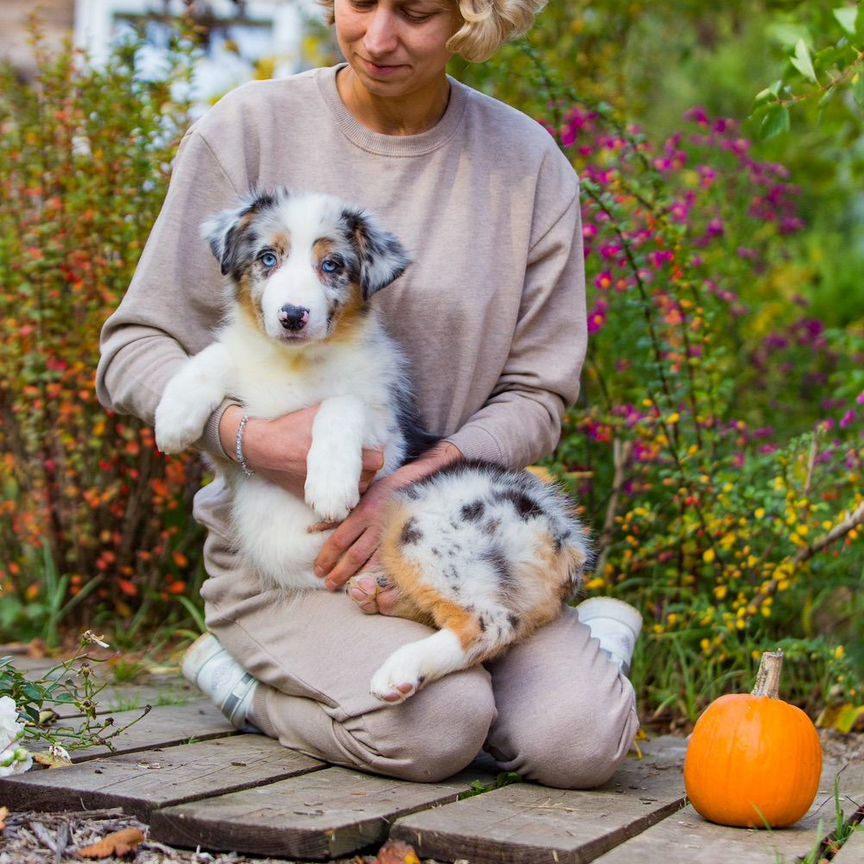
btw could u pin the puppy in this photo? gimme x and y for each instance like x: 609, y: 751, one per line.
x: 483, y: 553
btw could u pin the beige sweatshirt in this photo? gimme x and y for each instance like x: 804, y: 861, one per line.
x: 491, y: 313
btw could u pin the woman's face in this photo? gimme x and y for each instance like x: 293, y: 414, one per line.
x: 395, y: 47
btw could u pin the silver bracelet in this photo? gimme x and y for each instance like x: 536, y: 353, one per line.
x: 238, y: 447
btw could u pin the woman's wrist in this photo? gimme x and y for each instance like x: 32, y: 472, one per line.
x: 229, y: 423
x: 440, y: 455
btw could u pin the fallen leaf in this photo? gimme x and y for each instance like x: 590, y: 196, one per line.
x: 396, y: 852
x: 843, y: 718
x: 50, y: 760
x: 48, y: 716
x: 120, y: 843
x: 37, y: 649
x: 4, y: 812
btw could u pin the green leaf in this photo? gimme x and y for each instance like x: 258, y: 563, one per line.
x: 847, y: 16
x: 775, y: 122
x: 827, y: 96
x: 802, y: 61
x: 858, y: 90
x: 769, y: 92
x: 789, y: 34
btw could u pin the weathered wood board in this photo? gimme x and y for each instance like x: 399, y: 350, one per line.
x: 528, y: 824
x: 688, y: 837
x: 322, y: 815
x: 143, y: 781
x: 161, y: 727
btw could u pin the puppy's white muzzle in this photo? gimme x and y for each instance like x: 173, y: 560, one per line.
x: 295, y: 306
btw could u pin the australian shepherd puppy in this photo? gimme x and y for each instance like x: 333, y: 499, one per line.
x: 483, y: 553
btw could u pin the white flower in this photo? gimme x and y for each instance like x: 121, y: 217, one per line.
x: 13, y: 759
x: 10, y: 728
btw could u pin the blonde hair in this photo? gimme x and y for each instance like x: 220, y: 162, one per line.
x: 486, y: 25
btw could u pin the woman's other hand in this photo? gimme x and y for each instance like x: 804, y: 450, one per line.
x: 353, y: 544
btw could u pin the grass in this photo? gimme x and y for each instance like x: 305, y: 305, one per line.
x: 828, y: 845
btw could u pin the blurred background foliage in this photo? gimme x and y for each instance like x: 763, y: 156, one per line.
x: 717, y: 447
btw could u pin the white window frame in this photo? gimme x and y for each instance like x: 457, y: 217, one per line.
x: 94, y: 21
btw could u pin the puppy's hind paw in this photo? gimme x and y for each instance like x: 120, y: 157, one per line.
x: 396, y: 680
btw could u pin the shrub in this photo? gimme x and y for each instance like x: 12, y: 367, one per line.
x: 718, y: 445
x: 92, y: 517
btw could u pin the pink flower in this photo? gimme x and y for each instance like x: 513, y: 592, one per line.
x: 660, y: 259
x: 697, y: 115
x: 597, y: 317
x: 603, y: 282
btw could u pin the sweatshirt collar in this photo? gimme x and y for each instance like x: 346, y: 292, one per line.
x: 392, y: 145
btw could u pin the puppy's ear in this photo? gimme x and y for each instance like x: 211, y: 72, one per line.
x: 228, y: 231
x: 222, y: 233
x: 382, y: 257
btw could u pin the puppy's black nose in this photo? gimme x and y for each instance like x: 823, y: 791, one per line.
x: 293, y: 318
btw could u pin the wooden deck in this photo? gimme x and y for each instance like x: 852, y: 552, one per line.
x: 197, y: 782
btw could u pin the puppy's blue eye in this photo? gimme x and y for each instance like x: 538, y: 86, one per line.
x: 269, y: 260
x: 328, y: 265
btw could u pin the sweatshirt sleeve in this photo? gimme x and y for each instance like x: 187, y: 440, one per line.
x: 521, y: 421
x: 174, y: 300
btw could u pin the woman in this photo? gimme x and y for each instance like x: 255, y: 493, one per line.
x: 491, y: 314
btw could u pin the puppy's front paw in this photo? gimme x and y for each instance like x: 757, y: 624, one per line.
x: 332, y: 495
x: 399, y: 677
x: 177, y: 425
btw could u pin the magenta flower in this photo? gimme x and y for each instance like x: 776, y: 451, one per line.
x: 603, y: 282
x: 597, y: 317
x: 715, y: 228
x: 661, y: 258
x: 697, y: 115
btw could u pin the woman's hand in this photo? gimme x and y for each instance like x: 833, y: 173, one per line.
x: 277, y: 449
x: 353, y: 544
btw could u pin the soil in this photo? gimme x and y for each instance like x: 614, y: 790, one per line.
x: 46, y: 838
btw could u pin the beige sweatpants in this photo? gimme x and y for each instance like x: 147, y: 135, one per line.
x: 554, y: 708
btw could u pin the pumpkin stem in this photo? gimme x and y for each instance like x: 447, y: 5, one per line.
x: 768, y: 676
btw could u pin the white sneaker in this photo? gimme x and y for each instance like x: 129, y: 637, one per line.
x: 209, y: 667
x: 615, y: 624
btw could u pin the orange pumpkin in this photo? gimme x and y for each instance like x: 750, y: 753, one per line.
x: 753, y: 760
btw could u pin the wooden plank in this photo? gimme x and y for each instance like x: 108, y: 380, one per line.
x: 148, y: 779
x: 319, y: 816
x: 689, y: 837
x: 132, y: 697
x: 161, y: 727
x: 528, y: 824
